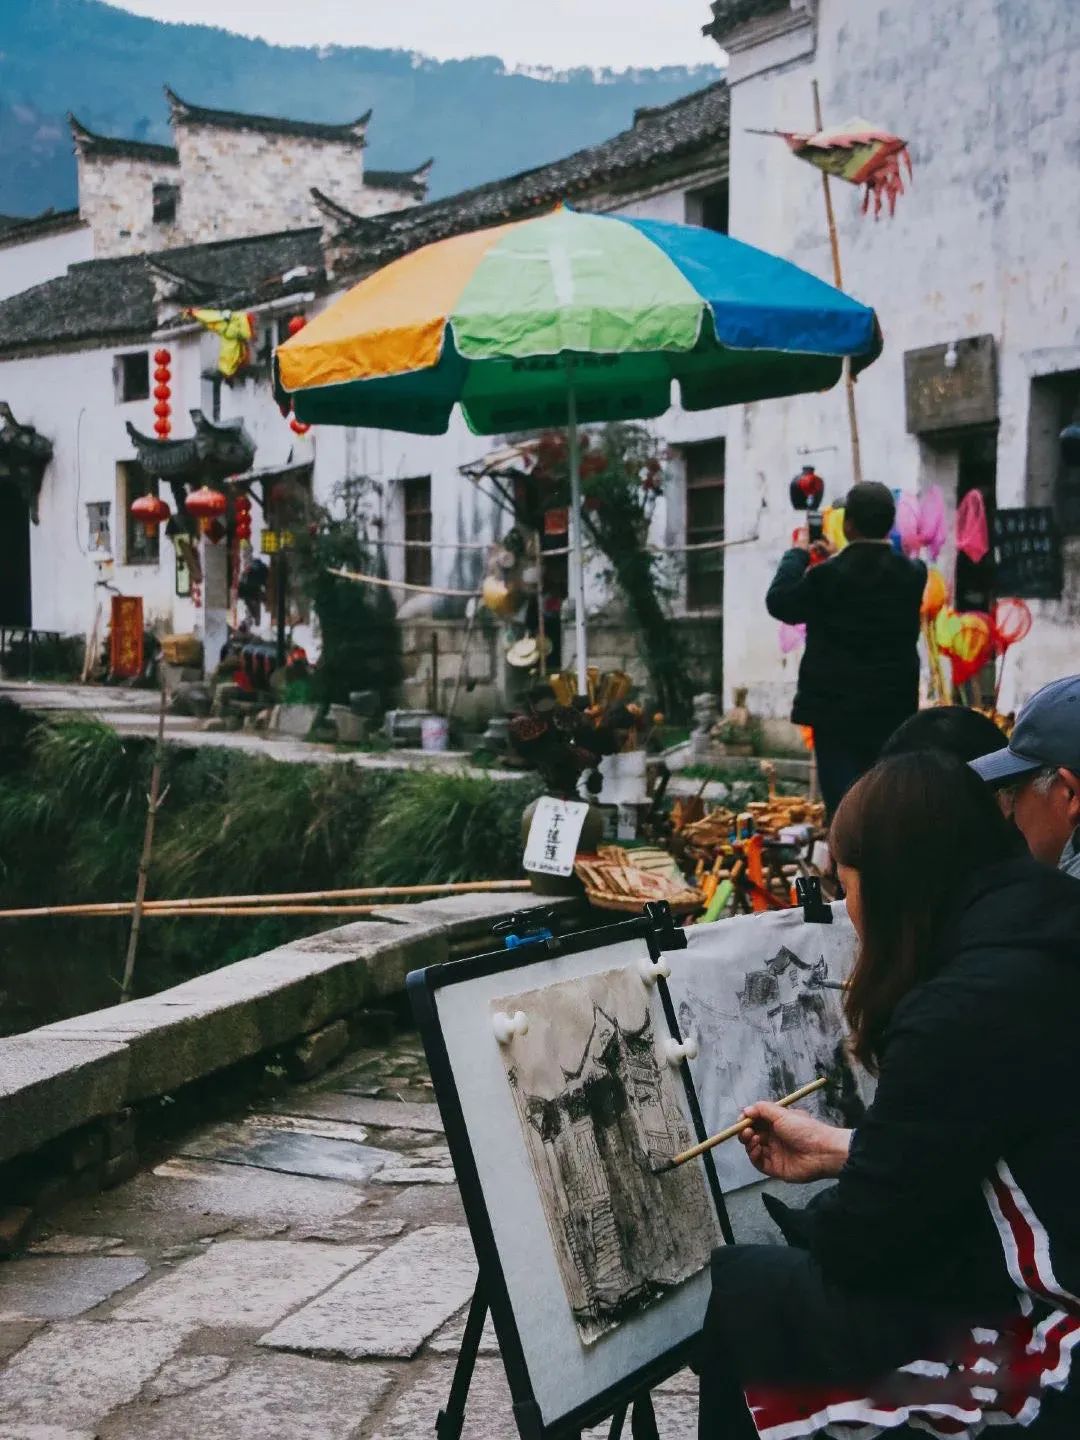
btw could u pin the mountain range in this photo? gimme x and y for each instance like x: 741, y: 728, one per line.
x: 476, y: 118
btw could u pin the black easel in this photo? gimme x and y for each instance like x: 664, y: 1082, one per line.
x: 533, y: 930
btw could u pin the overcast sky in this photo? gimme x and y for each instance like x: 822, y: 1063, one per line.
x: 559, y: 33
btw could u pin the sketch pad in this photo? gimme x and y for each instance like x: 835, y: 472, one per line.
x: 555, y: 1374
x: 751, y: 988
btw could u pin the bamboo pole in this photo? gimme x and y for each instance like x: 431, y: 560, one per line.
x: 838, y: 281
x: 204, y: 911
x: 736, y: 1129
x: 379, y: 892
x: 153, y: 804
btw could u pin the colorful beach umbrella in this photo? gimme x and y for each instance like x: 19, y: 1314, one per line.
x: 570, y: 318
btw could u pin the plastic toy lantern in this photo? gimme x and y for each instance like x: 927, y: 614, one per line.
x: 207, y: 507
x: 150, y: 511
x: 935, y: 595
x: 966, y: 638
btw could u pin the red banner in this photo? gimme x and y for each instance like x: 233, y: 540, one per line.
x: 126, y: 639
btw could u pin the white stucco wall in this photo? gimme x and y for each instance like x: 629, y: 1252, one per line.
x: 983, y: 243
x: 35, y: 261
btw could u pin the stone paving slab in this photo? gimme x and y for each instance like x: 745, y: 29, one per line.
x: 489, y: 1414
x: 290, y: 1152
x: 280, y: 1397
x: 361, y: 1110
x: 388, y: 1308
x: 447, y: 1341
x: 42, y: 1432
x: 204, y: 1189
x: 77, y: 1371
x: 13, y: 1336
x: 243, y: 1282
x: 61, y: 1287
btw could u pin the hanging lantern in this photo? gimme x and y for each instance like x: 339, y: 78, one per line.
x: 150, y: 511
x: 807, y: 489
x: 163, y: 410
x: 205, y: 506
x: 161, y: 429
x: 298, y: 427
x: 163, y: 392
x: 296, y: 324
x: 163, y: 375
x: 162, y: 357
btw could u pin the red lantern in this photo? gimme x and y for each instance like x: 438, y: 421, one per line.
x: 163, y: 374
x: 807, y: 489
x: 162, y: 428
x: 162, y: 357
x: 296, y: 324
x: 205, y: 506
x: 298, y: 427
x: 150, y: 511
x: 163, y: 409
x: 162, y: 392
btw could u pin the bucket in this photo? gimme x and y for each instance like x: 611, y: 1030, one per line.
x: 434, y: 732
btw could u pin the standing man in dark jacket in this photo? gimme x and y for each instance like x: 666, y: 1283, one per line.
x: 859, y: 677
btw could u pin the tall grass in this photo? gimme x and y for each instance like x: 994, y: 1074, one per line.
x: 72, y: 810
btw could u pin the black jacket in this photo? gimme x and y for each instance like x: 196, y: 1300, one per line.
x: 860, y: 670
x: 974, y: 1132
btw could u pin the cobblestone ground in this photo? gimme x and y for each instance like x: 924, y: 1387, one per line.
x: 299, y: 1273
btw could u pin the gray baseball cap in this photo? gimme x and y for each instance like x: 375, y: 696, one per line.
x: 1047, y: 732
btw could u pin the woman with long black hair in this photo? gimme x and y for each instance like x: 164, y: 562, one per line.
x: 934, y: 1288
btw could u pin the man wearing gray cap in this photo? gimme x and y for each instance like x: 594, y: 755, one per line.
x: 1037, y: 775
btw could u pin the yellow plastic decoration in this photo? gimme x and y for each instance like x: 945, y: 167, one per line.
x: 233, y: 329
x: 832, y: 526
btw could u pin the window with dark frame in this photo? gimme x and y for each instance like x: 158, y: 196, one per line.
x: 704, y: 524
x: 709, y: 208
x: 131, y: 375
x: 416, y: 506
x: 132, y: 481
x: 166, y: 200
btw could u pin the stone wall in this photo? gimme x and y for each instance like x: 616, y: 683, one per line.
x: 489, y: 686
x: 238, y: 182
x: 116, y: 200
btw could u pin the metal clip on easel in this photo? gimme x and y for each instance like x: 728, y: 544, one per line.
x: 526, y: 927
x: 814, y: 908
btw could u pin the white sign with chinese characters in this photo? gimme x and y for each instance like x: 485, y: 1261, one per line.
x: 553, y: 836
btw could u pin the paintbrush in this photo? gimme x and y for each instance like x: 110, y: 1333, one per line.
x: 733, y: 1130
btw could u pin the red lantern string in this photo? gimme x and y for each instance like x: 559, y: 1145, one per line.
x: 163, y: 393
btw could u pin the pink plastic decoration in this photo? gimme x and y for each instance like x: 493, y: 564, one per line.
x: 921, y: 523
x: 972, y: 531
x: 791, y: 638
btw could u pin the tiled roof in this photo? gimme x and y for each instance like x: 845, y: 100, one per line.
x: 17, y: 229
x: 728, y: 15
x: 108, y: 146
x: 351, y: 132
x: 659, y: 137
x: 103, y: 300
x: 409, y: 182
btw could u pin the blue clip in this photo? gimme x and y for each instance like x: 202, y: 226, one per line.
x: 515, y: 942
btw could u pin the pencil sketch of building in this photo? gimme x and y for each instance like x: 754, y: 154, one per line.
x: 596, y: 1127
x: 763, y: 994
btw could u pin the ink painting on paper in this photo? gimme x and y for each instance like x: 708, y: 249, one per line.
x: 600, y: 1109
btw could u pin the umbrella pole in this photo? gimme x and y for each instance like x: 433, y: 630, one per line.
x: 838, y: 281
x: 577, y: 549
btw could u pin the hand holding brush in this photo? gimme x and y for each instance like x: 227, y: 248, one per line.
x: 785, y: 1157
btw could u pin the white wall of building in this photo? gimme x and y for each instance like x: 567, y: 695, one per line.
x: 983, y: 243
x: 32, y: 262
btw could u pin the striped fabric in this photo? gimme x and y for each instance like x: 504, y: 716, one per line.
x: 998, y: 1377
